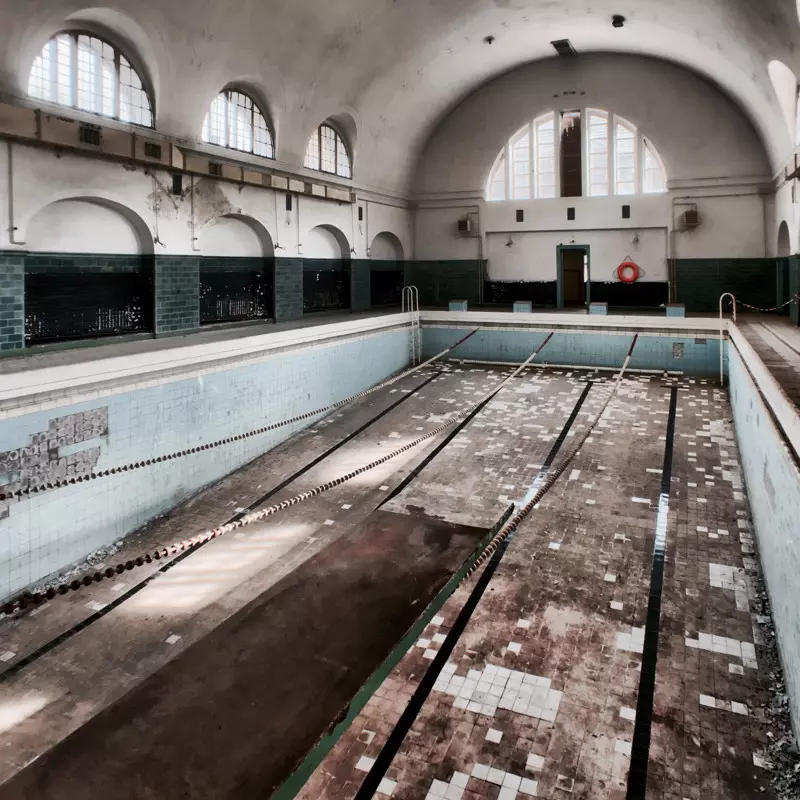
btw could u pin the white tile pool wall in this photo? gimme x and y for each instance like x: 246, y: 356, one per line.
x: 42, y: 534
x: 772, y: 479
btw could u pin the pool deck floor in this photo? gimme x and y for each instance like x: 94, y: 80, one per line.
x: 777, y: 342
x: 540, y: 694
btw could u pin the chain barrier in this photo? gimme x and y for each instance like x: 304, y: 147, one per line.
x: 776, y: 308
x: 35, y: 598
x: 551, y: 477
x: 39, y: 489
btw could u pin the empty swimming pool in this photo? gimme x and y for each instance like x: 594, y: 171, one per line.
x: 409, y: 631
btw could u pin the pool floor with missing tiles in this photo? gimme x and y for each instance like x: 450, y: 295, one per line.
x: 539, y: 696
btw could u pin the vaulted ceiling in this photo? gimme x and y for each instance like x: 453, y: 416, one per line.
x: 397, y: 66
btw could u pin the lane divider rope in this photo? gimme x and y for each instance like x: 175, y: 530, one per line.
x: 38, y: 489
x: 35, y: 598
x: 550, y: 477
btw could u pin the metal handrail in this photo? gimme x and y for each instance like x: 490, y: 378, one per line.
x: 410, y: 305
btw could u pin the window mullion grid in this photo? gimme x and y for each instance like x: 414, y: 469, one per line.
x: 556, y: 154
x: 531, y: 156
x: 586, y: 186
x: 226, y: 135
x: 98, y: 76
x: 612, y: 180
x: 639, y: 160
x: 612, y: 140
x: 52, y: 95
x: 73, y: 64
x: 252, y: 127
x: 116, y: 86
x: 509, y: 190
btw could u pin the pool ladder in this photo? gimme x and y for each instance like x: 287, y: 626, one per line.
x: 411, y: 306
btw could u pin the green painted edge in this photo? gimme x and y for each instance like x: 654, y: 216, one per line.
x: 295, y: 782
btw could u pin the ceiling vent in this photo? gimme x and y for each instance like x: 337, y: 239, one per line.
x: 564, y: 47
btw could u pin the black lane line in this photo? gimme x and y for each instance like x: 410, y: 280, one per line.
x: 438, y: 449
x: 83, y: 624
x: 384, y: 760
x: 640, y: 750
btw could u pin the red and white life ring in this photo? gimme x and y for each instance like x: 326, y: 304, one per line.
x: 628, y: 272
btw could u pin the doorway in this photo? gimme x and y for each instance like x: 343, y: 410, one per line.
x: 573, y: 276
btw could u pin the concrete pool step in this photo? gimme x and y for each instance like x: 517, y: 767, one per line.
x: 234, y: 714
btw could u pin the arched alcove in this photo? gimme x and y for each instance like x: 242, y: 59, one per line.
x: 784, y: 83
x: 784, y: 241
x: 238, y: 236
x: 386, y: 270
x: 236, y: 270
x: 326, y: 269
x: 85, y: 224
x: 386, y: 247
x: 89, y: 272
x: 326, y: 242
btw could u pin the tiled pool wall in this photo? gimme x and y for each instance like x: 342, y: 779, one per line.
x: 42, y: 534
x: 772, y: 480
x: 693, y: 355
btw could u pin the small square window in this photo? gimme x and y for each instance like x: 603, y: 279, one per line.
x: 626, y: 212
x: 520, y: 215
x: 177, y: 184
x: 570, y: 213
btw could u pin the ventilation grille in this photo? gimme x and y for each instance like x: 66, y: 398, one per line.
x: 152, y: 150
x: 691, y: 219
x: 564, y: 47
x: 90, y: 135
x: 215, y: 169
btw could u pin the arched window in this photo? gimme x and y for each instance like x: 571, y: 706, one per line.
x: 615, y: 159
x: 234, y: 120
x: 82, y: 71
x: 797, y: 120
x: 327, y: 152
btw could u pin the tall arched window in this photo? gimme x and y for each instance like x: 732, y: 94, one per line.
x: 615, y: 159
x: 234, y: 120
x: 82, y: 71
x: 797, y: 120
x: 327, y: 152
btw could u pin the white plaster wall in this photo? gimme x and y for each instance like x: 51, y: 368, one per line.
x: 436, y: 237
x: 231, y: 237
x: 712, y: 154
x: 395, y: 68
x: 533, y: 255
x: 391, y: 218
x: 77, y: 226
x: 141, y: 200
x: 698, y: 131
x: 730, y: 227
x: 386, y: 247
x: 322, y: 243
x: 780, y: 208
